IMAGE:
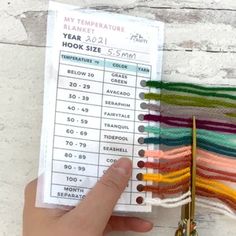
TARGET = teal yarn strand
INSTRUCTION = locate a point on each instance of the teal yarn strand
(227, 140)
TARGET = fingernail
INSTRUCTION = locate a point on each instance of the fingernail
(147, 225)
(123, 166)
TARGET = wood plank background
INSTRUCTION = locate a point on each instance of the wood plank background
(200, 46)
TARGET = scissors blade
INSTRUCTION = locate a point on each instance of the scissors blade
(193, 169)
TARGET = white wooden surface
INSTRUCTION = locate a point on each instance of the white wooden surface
(200, 44)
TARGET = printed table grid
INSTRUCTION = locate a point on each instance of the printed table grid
(75, 97)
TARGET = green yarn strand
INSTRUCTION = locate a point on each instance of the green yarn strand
(233, 115)
(182, 100)
(161, 84)
(169, 87)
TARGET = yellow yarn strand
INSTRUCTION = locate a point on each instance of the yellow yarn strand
(177, 173)
(215, 190)
(216, 184)
(161, 179)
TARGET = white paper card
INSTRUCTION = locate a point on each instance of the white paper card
(94, 65)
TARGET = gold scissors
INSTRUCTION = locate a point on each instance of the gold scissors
(187, 224)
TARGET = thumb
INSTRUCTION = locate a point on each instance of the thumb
(98, 205)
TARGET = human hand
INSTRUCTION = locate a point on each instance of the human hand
(92, 217)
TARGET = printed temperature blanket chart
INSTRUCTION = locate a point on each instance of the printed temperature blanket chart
(96, 63)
